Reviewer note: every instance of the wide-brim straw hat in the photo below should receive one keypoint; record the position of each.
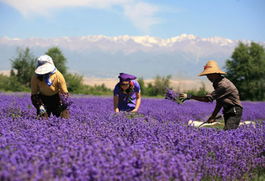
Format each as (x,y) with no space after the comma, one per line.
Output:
(211,68)
(44,65)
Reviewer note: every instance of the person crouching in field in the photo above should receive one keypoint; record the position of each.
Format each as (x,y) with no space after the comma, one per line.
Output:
(127,96)
(225,93)
(49,93)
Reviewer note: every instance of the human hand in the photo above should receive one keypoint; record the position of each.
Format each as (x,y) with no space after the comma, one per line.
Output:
(42,113)
(211,120)
(42,110)
(184,96)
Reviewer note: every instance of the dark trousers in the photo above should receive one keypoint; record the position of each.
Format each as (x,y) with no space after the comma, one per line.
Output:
(52,105)
(232,117)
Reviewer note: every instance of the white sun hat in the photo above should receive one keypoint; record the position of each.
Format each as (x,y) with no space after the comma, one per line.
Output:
(44,65)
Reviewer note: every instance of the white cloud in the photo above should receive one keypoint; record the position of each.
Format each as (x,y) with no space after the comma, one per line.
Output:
(141,14)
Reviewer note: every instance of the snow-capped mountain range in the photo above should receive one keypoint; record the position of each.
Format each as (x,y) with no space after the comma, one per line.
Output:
(147,56)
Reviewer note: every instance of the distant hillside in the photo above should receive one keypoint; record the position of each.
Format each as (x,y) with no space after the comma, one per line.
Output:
(104,57)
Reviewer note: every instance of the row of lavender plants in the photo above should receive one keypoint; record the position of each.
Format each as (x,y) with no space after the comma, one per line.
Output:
(156,144)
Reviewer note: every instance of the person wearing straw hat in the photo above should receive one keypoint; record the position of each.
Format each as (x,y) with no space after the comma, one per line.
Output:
(127,94)
(49,92)
(225,93)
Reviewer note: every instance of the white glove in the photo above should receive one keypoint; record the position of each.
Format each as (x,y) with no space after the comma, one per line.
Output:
(184,96)
(42,110)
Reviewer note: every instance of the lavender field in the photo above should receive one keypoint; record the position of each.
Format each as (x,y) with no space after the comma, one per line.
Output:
(156,144)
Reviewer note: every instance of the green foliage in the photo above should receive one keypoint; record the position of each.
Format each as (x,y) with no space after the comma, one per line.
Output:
(74,82)
(158,88)
(58,58)
(142,86)
(201,92)
(11,84)
(211,178)
(75,85)
(23,66)
(161,84)
(246,70)
(258,174)
(95,90)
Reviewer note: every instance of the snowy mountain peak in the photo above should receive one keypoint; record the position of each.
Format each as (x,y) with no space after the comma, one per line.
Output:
(101,55)
(219,40)
(148,41)
(185,37)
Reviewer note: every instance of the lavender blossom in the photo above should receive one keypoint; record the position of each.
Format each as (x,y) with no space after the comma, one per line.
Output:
(173,96)
(96,144)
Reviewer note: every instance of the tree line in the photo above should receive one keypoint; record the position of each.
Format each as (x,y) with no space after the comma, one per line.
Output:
(23,67)
(245,68)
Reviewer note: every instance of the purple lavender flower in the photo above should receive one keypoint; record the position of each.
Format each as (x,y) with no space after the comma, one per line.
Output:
(173,96)
(95,144)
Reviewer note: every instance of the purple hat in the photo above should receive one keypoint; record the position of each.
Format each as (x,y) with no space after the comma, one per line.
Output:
(126,77)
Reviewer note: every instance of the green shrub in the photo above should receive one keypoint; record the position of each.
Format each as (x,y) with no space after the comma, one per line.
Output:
(12,84)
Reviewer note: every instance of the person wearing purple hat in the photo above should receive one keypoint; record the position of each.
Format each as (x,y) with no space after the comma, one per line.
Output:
(127,94)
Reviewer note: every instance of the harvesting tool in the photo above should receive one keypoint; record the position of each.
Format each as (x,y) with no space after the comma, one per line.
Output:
(199,124)
(218,117)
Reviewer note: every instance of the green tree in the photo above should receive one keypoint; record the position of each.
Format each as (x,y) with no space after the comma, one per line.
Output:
(159,86)
(58,58)
(142,85)
(23,66)
(246,70)
(74,82)
(97,90)
(201,92)
(10,83)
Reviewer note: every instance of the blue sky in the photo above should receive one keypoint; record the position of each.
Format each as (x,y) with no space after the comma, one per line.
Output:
(233,19)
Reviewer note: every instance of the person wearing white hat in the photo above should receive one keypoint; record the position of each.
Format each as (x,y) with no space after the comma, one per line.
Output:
(49,92)
(225,93)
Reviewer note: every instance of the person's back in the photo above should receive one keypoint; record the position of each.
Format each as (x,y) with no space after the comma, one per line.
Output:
(58,84)
(225,92)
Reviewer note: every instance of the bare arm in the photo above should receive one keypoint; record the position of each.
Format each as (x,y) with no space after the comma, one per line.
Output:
(184,96)
(216,109)
(115,103)
(215,112)
(138,102)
